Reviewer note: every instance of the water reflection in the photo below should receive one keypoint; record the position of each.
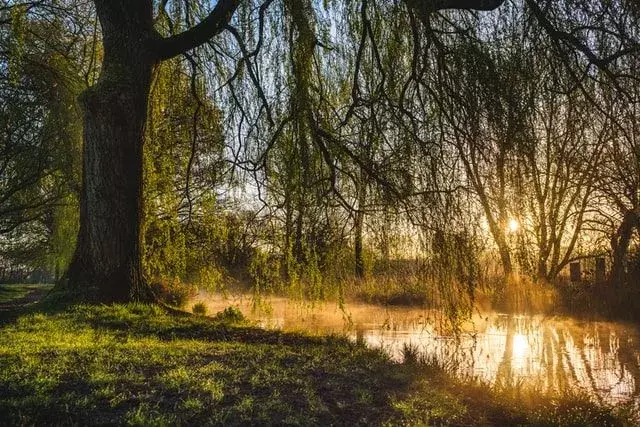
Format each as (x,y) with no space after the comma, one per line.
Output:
(551,353)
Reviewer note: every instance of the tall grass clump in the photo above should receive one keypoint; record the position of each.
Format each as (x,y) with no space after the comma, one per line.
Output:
(199,308)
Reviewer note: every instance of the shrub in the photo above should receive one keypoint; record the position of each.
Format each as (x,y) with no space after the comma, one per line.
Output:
(230,315)
(199,308)
(172,291)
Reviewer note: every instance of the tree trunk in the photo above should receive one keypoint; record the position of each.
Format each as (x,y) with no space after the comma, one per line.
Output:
(299,245)
(358,247)
(496,230)
(543,273)
(107,262)
(288,232)
(359,225)
(620,245)
(359,270)
(505,258)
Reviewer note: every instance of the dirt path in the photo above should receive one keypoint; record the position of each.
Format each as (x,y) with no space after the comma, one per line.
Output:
(35,294)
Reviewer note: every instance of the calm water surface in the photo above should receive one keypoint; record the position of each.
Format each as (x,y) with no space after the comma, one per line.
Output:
(553,353)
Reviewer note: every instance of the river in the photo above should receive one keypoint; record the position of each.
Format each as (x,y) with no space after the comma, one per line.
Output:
(551,353)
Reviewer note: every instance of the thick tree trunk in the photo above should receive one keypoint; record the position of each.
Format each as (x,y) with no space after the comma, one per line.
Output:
(107,261)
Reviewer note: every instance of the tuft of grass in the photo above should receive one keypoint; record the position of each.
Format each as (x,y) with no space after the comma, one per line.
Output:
(410,354)
(140,364)
(199,308)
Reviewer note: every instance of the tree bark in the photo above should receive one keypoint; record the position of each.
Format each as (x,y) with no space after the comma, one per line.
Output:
(107,263)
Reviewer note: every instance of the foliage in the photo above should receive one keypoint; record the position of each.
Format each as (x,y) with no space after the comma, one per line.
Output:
(179,191)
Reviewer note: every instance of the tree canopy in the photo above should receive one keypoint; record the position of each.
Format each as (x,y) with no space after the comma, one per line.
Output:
(309,143)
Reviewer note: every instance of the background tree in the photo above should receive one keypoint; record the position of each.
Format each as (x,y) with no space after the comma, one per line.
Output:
(41,130)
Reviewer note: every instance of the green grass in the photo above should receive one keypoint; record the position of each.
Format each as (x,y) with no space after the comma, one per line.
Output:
(139,365)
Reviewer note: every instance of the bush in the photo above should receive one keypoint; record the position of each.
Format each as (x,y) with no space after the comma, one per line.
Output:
(199,308)
(230,315)
(172,291)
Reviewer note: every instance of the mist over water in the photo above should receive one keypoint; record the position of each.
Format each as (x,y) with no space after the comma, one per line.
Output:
(550,353)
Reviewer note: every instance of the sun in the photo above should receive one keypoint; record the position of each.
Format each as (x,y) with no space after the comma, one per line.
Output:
(513,225)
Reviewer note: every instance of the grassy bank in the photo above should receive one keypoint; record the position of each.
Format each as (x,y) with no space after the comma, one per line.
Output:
(139,364)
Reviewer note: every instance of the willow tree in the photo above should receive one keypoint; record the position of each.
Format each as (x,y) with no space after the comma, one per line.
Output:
(107,260)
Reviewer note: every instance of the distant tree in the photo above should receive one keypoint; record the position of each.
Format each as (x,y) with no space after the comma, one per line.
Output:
(559,171)
(40,134)
(618,183)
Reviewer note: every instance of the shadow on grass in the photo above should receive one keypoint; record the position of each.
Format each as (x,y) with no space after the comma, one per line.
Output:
(139,364)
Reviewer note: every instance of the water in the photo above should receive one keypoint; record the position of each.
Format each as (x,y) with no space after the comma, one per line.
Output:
(551,353)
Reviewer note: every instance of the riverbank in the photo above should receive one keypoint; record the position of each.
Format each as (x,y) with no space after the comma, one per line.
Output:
(516,295)
(140,364)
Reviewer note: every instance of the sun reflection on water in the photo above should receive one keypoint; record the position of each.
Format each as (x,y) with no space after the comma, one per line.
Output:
(520,346)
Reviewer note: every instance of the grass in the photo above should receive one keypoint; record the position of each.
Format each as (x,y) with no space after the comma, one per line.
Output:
(140,364)
(13,292)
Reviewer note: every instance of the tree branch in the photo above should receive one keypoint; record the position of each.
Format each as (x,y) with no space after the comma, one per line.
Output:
(209,27)
(426,7)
